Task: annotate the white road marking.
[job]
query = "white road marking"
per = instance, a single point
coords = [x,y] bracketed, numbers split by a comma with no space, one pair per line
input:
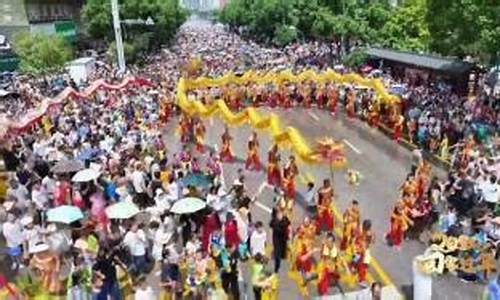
[263,207]
[313,115]
[351,146]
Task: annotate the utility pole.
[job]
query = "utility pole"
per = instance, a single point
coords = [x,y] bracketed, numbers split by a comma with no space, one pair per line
[118,35]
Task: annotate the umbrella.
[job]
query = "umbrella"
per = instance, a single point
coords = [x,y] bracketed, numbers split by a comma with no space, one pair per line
[188,205]
[67,166]
[64,214]
[85,175]
[122,210]
[196,180]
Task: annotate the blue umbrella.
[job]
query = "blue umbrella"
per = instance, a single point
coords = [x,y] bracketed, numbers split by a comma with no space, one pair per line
[64,214]
[196,180]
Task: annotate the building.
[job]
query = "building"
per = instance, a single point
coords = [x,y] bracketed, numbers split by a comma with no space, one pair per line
[421,69]
[50,16]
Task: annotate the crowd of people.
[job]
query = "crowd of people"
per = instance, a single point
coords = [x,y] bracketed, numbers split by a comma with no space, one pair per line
[457,216]
[129,229]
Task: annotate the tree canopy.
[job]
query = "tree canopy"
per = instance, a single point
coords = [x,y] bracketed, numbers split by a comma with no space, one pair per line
[167,16]
[41,52]
[448,27]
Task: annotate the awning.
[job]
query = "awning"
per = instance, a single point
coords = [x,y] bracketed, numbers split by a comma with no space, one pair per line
[437,63]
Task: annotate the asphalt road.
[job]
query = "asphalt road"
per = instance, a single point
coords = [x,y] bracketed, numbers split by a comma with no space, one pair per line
[383,165]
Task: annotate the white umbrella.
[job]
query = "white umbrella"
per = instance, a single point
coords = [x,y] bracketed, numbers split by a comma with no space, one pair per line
[188,205]
[122,210]
[85,175]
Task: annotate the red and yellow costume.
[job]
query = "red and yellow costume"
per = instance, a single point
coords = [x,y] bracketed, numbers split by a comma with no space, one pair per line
[289,185]
[253,160]
[351,227]
[306,96]
[399,121]
[373,116]
[165,110]
[332,99]
[285,205]
[327,267]
[350,104]
[285,98]
[199,135]
[325,217]
[362,252]
[290,172]
[184,128]
[320,96]
[399,225]
[273,169]
[226,154]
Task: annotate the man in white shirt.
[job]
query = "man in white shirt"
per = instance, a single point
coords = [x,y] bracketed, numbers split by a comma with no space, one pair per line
[139,182]
[49,184]
[20,193]
[12,232]
[258,240]
[39,196]
[490,191]
[135,240]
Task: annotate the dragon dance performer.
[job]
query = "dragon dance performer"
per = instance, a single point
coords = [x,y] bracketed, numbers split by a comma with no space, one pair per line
[185,125]
[285,205]
[303,261]
[199,135]
[399,121]
[399,225]
[289,173]
[253,159]
[165,110]
[350,104]
[273,168]
[325,217]
[226,154]
[305,93]
[333,98]
[285,97]
[256,94]
[361,260]
[328,265]
[351,225]
[373,115]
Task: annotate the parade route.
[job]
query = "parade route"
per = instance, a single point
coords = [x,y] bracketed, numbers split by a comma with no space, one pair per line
[383,165]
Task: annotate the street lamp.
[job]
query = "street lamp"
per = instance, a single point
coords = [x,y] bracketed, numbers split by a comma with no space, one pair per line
[118,35]
[118,32]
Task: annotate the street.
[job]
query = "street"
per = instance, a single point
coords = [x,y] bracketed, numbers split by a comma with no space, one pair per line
[383,165]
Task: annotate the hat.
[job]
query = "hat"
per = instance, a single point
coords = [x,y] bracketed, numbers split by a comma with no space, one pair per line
[39,248]
[26,220]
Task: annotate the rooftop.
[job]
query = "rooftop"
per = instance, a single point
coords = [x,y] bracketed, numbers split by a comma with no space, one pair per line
[438,63]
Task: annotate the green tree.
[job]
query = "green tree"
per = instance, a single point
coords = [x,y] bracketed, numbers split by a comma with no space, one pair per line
[464,27]
[130,52]
[285,34]
[166,14]
[97,19]
[41,52]
[407,28]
